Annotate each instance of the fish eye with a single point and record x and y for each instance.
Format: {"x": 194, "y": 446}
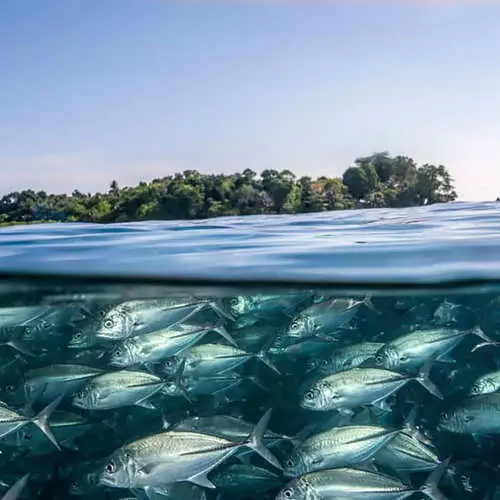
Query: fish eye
{"x": 289, "y": 463}
{"x": 469, "y": 418}
{"x": 324, "y": 362}
{"x": 235, "y": 301}
{"x": 9, "y": 388}
{"x": 309, "y": 395}
{"x": 295, "y": 325}
{"x": 444, "y": 415}
{"x": 403, "y": 357}
{"x": 110, "y": 467}
{"x": 78, "y": 335}
{"x": 169, "y": 363}
{"x": 288, "y": 493}
{"x": 27, "y": 436}
{"x": 118, "y": 351}
{"x": 109, "y": 323}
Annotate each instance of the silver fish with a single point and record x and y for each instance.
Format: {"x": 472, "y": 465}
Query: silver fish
{"x": 486, "y": 384}
{"x": 477, "y": 415}
{"x": 353, "y": 484}
{"x": 325, "y": 317}
{"x": 161, "y": 344}
{"x": 118, "y": 389}
{"x": 47, "y": 383}
{"x": 358, "y": 387}
{"x": 172, "y": 457}
{"x": 343, "y": 359}
{"x": 338, "y": 447}
{"x": 135, "y": 317}
{"x": 209, "y": 359}
{"x": 414, "y": 349}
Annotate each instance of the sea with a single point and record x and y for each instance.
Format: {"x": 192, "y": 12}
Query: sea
{"x": 339, "y": 355}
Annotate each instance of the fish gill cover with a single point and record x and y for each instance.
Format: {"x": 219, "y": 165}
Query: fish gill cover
{"x": 119, "y": 389}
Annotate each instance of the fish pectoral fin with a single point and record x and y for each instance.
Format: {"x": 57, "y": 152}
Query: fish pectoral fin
{"x": 202, "y": 480}
{"x": 146, "y": 403}
{"x": 446, "y": 358}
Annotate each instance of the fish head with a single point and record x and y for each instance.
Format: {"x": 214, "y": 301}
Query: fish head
{"x": 118, "y": 471}
{"x": 297, "y": 489}
{"x": 239, "y": 305}
{"x": 388, "y": 357}
{"x": 483, "y": 385}
{"x": 86, "y": 397}
{"x": 320, "y": 396}
{"x": 81, "y": 339}
{"x": 171, "y": 365}
{"x": 295, "y": 465}
{"x": 123, "y": 354}
{"x": 114, "y": 324}
{"x": 455, "y": 420}
{"x": 299, "y": 326}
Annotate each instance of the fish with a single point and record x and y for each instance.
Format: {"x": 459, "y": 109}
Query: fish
{"x": 176, "y": 456}
{"x": 476, "y": 415}
{"x": 358, "y": 387}
{"x": 414, "y": 349}
{"x": 209, "y": 359}
{"x": 486, "y": 384}
{"x": 325, "y": 317}
{"x": 133, "y": 317}
{"x": 118, "y": 389}
{"x": 354, "y": 484}
{"x": 46, "y": 383}
{"x": 158, "y": 345}
{"x": 338, "y": 447}
{"x": 344, "y": 358}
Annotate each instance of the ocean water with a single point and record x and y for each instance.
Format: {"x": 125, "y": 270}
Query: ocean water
{"x": 326, "y": 356}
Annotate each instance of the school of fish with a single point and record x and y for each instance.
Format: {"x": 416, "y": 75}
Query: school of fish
{"x": 289, "y": 395}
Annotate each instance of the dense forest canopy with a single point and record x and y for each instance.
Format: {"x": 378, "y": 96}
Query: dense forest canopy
{"x": 379, "y": 180}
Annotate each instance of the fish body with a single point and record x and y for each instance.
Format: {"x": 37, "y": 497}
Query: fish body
{"x": 345, "y": 484}
{"x": 357, "y": 387}
{"x": 344, "y": 358}
{"x": 176, "y": 456}
{"x": 324, "y": 317}
{"x": 47, "y": 383}
{"x": 477, "y": 415}
{"x": 338, "y": 447}
{"x": 486, "y": 384}
{"x": 118, "y": 389}
{"x": 414, "y": 349}
{"x": 161, "y": 344}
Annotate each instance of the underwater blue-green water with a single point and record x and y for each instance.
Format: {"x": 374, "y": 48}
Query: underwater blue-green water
{"x": 340, "y": 355}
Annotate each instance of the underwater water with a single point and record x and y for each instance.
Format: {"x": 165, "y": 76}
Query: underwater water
{"x": 339, "y": 355}
{"x": 149, "y": 391}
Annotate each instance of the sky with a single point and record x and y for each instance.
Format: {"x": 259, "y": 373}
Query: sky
{"x": 96, "y": 90}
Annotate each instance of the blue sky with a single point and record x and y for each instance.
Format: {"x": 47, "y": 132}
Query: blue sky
{"x": 95, "y": 90}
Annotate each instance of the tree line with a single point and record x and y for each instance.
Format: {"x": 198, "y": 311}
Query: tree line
{"x": 378, "y": 180}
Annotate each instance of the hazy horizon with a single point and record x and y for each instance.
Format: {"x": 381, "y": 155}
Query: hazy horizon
{"x": 137, "y": 89}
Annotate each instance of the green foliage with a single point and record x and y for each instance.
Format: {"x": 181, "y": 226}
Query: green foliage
{"x": 378, "y": 180}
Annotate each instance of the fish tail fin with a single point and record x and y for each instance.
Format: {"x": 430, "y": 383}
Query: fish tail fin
{"x": 430, "y": 487}
{"x": 479, "y": 332}
{"x": 423, "y": 379}
{"x": 262, "y": 355}
{"x": 219, "y": 310}
{"x": 367, "y": 301}
{"x": 225, "y": 334}
{"x": 16, "y": 489}
{"x": 254, "y": 441}
{"x": 42, "y": 420}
